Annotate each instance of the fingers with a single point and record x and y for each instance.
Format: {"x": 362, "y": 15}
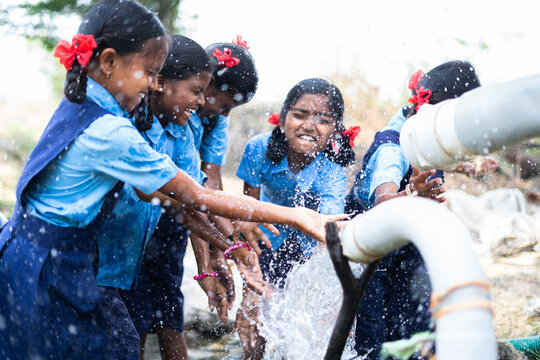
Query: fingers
{"x": 264, "y": 238}
{"x": 336, "y": 217}
{"x": 222, "y": 309}
{"x": 253, "y": 241}
{"x": 272, "y": 228}
{"x": 423, "y": 176}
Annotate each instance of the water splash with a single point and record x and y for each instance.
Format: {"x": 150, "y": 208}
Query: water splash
{"x": 298, "y": 320}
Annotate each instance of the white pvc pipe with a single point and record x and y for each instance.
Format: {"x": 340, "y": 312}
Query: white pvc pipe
{"x": 445, "y": 244}
{"x": 481, "y": 121}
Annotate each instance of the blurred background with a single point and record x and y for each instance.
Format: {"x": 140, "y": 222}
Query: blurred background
{"x": 368, "y": 49}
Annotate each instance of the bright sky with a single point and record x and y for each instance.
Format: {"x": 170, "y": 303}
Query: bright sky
{"x": 294, "y": 39}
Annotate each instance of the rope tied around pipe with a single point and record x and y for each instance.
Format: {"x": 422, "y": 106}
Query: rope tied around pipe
{"x": 436, "y": 300}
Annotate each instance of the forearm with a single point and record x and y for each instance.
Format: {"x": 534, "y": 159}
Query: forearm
{"x": 387, "y": 192}
{"x": 240, "y": 207}
{"x": 213, "y": 171}
{"x": 202, "y": 254}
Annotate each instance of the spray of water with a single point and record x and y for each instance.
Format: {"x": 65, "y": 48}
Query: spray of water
{"x": 298, "y": 320}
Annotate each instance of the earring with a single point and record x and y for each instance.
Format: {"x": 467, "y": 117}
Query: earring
{"x": 108, "y": 75}
{"x": 160, "y": 88}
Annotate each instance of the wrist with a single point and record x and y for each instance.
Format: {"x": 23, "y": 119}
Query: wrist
{"x": 227, "y": 252}
{"x": 205, "y": 275}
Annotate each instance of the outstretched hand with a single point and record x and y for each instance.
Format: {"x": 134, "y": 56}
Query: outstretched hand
{"x": 313, "y": 224}
{"x": 431, "y": 189}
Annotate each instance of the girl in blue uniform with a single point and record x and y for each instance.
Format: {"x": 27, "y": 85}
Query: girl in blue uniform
{"x": 300, "y": 163}
{"x": 52, "y": 307}
{"x": 127, "y": 241}
{"x": 396, "y": 302}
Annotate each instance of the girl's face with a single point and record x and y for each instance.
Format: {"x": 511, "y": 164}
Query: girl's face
{"x": 309, "y": 126}
{"x": 131, "y": 76}
{"x": 218, "y": 102}
{"x": 180, "y": 98}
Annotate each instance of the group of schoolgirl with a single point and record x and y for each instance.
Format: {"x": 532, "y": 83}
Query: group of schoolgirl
{"x": 91, "y": 260}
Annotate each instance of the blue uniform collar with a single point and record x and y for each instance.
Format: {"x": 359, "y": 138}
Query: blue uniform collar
{"x": 99, "y": 95}
{"x": 306, "y": 176}
{"x": 154, "y": 134}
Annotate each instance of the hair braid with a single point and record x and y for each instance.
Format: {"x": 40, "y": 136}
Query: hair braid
{"x": 76, "y": 80}
{"x": 277, "y": 146}
{"x": 142, "y": 114}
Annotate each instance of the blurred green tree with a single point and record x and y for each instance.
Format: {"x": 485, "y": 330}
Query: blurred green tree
{"x": 40, "y": 19}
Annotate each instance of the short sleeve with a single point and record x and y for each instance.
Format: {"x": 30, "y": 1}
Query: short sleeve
{"x": 214, "y": 143}
{"x": 118, "y": 150}
{"x": 389, "y": 166}
{"x": 251, "y": 165}
{"x": 334, "y": 191}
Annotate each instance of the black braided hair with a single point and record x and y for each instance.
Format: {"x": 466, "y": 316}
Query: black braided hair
{"x": 277, "y": 145}
{"x": 447, "y": 81}
{"x": 142, "y": 114}
{"x": 123, "y": 25}
{"x": 76, "y": 79}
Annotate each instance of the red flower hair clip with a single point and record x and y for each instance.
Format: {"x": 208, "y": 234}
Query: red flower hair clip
{"x": 225, "y": 58}
{"x": 415, "y": 79}
{"x": 274, "y": 119}
{"x": 351, "y": 133}
{"x": 240, "y": 42}
{"x": 422, "y": 97}
{"x": 81, "y": 48}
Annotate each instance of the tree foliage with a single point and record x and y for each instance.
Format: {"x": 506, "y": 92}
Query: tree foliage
{"x": 40, "y": 19}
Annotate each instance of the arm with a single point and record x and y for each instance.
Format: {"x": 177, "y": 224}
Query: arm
{"x": 241, "y": 207}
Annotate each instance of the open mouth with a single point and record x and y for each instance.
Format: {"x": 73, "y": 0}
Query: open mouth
{"x": 189, "y": 112}
{"x": 307, "y": 137}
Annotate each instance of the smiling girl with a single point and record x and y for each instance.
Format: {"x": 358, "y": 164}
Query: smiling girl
{"x": 299, "y": 164}
{"x": 52, "y": 307}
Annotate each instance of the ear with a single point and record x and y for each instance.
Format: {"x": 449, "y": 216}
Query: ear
{"x": 107, "y": 61}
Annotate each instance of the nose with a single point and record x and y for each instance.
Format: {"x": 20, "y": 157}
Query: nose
{"x": 153, "y": 83}
{"x": 309, "y": 124}
{"x": 200, "y": 100}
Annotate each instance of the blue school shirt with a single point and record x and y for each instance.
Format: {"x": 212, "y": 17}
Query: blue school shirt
{"x": 124, "y": 237}
{"x": 212, "y": 145}
{"x": 388, "y": 164}
{"x": 70, "y": 191}
{"x": 320, "y": 186}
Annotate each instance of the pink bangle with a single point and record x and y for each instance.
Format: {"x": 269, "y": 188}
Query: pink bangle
{"x": 203, "y": 275}
{"x": 235, "y": 246}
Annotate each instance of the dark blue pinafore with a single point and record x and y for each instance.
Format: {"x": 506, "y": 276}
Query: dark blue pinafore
{"x": 157, "y": 298}
{"x": 395, "y": 304}
{"x": 51, "y": 306}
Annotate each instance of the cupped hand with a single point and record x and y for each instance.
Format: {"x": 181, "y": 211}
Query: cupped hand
{"x": 247, "y": 320}
{"x": 217, "y": 296}
{"x": 248, "y": 266}
{"x": 252, "y": 233}
{"x": 225, "y": 277}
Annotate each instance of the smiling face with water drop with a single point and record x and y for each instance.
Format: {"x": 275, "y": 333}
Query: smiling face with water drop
{"x": 308, "y": 127}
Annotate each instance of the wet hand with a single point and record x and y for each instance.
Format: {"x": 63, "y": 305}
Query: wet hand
{"x": 313, "y": 224}
{"x": 225, "y": 277}
{"x": 431, "y": 189}
{"x": 217, "y": 296}
{"x": 247, "y": 320}
{"x": 248, "y": 266}
{"x": 252, "y": 233}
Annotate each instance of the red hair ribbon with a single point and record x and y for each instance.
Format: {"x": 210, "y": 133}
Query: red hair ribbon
{"x": 81, "y": 48}
{"x": 415, "y": 79}
{"x": 225, "y": 58}
{"x": 240, "y": 42}
{"x": 274, "y": 119}
{"x": 351, "y": 133}
{"x": 422, "y": 97}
